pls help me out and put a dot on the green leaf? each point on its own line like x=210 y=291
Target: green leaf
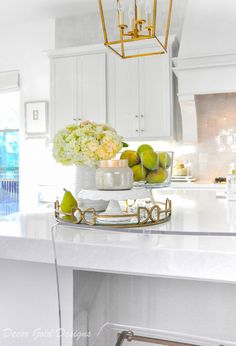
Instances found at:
x=125 y=145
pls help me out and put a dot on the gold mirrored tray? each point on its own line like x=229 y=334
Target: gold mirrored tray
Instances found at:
x=135 y=216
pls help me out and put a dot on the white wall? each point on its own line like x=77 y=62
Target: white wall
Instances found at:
x=22 y=48
x=86 y=29
x=209 y=28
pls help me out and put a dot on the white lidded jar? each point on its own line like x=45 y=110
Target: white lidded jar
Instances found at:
x=231 y=185
x=114 y=175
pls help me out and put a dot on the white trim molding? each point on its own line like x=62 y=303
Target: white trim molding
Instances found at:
x=209 y=74
x=9 y=80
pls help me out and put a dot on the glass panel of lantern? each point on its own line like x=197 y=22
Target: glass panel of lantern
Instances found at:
x=136 y=27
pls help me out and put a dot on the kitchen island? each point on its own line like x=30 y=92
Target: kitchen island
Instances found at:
x=189 y=262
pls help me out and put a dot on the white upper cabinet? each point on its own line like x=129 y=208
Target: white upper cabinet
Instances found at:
x=140 y=96
x=155 y=97
x=63 y=92
x=133 y=95
x=78 y=89
x=91 y=74
x=123 y=94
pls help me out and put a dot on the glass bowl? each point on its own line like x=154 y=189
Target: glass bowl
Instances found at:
x=155 y=169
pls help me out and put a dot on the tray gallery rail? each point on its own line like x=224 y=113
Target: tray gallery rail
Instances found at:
x=142 y=216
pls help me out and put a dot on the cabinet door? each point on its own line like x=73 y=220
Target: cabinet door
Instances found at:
x=91 y=91
x=123 y=96
x=155 y=97
x=63 y=92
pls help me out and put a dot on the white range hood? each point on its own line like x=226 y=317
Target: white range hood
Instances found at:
x=206 y=63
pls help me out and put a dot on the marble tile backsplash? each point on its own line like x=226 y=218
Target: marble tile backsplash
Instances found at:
x=215 y=112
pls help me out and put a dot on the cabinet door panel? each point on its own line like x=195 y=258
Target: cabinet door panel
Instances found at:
x=155 y=105
x=124 y=81
x=63 y=92
x=91 y=102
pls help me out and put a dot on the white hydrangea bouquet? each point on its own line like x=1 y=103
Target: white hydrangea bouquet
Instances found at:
x=86 y=144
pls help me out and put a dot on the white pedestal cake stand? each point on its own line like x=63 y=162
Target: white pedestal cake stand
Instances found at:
x=114 y=197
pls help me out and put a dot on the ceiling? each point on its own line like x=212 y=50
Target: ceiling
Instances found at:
x=21 y=10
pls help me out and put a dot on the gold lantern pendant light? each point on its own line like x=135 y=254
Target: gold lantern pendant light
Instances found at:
x=136 y=21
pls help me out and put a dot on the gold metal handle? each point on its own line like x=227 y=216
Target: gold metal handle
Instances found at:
x=130 y=336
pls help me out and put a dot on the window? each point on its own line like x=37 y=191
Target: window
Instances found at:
x=9 y=153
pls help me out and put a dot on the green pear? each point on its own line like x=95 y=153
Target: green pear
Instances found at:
x=150 y=160
x=143 y=148
x=68 y=202
x=164 y=160
x=131 y=156
x=158 y=176
x=139 y=173
x=70 y=218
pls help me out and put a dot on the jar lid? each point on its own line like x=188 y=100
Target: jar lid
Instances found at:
x=113 y=164
x=232 y=171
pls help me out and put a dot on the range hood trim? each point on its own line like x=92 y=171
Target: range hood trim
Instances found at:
x=211 y=74
x=207 y=60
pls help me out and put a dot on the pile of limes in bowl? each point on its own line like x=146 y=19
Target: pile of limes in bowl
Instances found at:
x=148 y=165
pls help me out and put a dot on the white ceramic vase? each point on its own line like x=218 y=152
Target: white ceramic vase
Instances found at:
x=85 y=179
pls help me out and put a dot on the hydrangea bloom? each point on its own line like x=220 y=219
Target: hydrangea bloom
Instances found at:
x=86 y=144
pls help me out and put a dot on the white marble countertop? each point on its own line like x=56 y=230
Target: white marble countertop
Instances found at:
x=199 y=242
x=197 y=185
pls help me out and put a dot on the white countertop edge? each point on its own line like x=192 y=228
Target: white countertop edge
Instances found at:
x=208 y=266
